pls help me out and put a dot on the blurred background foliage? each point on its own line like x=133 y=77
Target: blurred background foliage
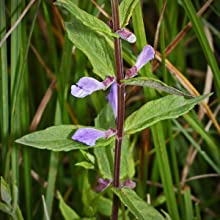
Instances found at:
x=39 y=64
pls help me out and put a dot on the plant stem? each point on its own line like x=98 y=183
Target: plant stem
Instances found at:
x=121 y=105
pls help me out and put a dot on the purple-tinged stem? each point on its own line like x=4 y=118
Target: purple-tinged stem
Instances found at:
x=121 y=106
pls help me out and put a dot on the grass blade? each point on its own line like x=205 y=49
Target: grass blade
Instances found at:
x=4 y=109
x=157 y=129
x=197 y=146
x=212 y=148
x=188 y=204
x=199 y=31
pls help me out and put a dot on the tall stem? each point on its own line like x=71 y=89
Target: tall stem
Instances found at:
x=121 y=105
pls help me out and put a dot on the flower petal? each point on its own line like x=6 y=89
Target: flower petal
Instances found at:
x=86 y=86
x=88 y=136
x=126 y=35
x=113 y=98
x=146 y=55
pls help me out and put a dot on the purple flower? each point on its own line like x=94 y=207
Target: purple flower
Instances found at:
x=103 y=184
x=87 y=85
x=89 y=136
x=126 y=35
x=128 y=183
x=113 y=98
x=145 y=56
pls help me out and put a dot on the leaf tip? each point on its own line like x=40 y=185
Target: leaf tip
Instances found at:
x=19 y=141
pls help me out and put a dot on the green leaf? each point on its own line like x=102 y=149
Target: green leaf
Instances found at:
x=167 y=107
x=67 y=212
x=105 y=118
x=104 y=156
x=98 y=48
x=88 y=195
x=156 y=84
x=91 y=36
x=5 y=192
x=127 y=164
x=57 y=138
x=125 y=10
x=5 y=208
x=89 y=157
x=87 y=19
x=138 y=207
x=86 y=165
x=104 y=205
x=166 y=215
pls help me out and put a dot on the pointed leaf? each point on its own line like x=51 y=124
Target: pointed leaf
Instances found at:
x=98 y=48
x=156 y=84
x=86 y=165
x=57 y=138
x=15 y=207
x=5 y=208
x=67 y=212
x=87 y=19
x=88 y=156
x=5 y=192
x=167 y=107
x=91 y=36
x=125 y=10
x=138 y=207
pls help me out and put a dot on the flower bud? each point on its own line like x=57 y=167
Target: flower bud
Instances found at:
x=126 y=35
x=103 y=184
x=128 y=183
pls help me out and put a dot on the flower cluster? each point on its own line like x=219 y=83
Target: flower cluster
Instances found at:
x=87 y=85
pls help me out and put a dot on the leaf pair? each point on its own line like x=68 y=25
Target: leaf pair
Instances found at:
x=58 y=138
